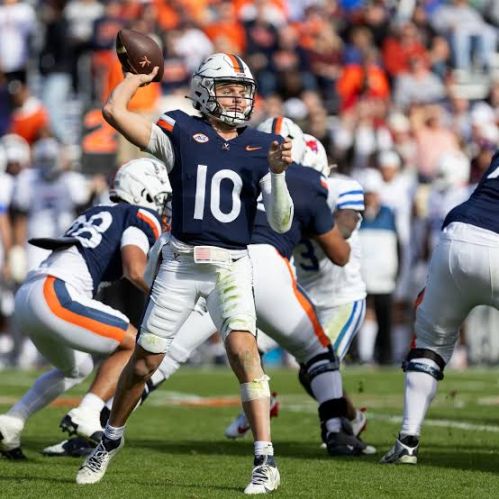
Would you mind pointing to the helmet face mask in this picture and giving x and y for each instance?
(142, 182)
(218, 71)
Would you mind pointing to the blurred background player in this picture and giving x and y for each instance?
(56, 304)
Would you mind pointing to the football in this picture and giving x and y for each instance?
(139, 53)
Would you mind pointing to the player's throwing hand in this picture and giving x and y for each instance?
(280, 156)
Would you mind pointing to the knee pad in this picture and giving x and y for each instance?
(304, 380)
(324, 362)
(411, 363)
(257, 389)
(84, 365)
(153, 343)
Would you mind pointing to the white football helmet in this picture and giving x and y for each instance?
(17, 149)
(47, 157)
(315, 155)
(453, 170)
(143, 182)
(286, 127)
(222, 68)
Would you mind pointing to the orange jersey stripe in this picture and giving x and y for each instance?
(307, 306)
(148, 220)
(164, 124)
(92, 325)
(235, 63)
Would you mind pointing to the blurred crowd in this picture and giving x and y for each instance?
(404, 95)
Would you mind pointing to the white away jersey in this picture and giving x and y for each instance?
(329, 285)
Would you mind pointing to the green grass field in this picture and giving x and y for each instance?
(176, 448)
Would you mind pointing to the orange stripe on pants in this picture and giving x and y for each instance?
(307, 306)
(92, 325)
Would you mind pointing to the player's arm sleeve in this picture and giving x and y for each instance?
(135, 237)
(277, 201)
(160, 145)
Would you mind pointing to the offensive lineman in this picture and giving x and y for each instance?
(463, 273)
(218, 167)
(56, 305)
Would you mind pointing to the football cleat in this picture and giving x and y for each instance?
(10, 437)
(343, 444)
(265, 476)
(73, 447)
(83, 423)
(240, 426)
(360, 422)
(95, 465)
(405, 451)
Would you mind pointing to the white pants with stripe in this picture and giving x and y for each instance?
(180, 283)
(63, 323)
(283, 312)
(342, 323)
(463, 273)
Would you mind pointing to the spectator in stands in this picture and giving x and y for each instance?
(17, 25)
(433, 139)
(55, 66)
(29, 116)
(463, 24)
(417, 85)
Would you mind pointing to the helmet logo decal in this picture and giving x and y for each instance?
(201, 138)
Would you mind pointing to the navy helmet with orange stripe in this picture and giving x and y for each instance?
(286, 127)
(142, 182)
(221, 69)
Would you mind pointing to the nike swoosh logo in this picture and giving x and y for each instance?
(253, 148)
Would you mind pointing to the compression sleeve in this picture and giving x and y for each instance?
(277, 201)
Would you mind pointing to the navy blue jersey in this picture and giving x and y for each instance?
(312, 217)
(482, 208)
(98, 233)
(215, 182)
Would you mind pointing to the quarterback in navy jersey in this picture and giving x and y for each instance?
(218, 168)
(55, 305)
(462, 275)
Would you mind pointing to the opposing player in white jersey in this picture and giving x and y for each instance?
(56, 304)
(463, 274)
(218, 167)
(47, 196)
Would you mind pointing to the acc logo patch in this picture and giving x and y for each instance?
(200, 137)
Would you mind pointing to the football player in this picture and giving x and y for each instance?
(218, 166)
(462, 274)
(298, 330)
(56, 305)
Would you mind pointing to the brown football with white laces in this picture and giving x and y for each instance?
(139, 53)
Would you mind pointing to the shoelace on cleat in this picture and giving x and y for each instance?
(260, 474)
(96, 460)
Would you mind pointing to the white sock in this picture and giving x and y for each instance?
(263, 448)
(45, 389)
(114, 432)
(366, 340)
(92, 403)
(333, 425)
(327, 386)
(420, 389)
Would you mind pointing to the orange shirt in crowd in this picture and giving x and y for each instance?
(360, 81)
(146, 97)
(31, 121)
